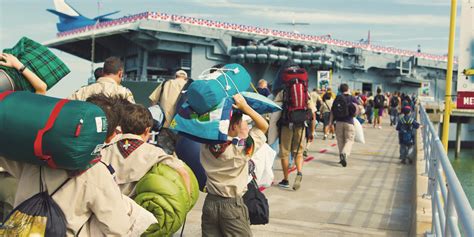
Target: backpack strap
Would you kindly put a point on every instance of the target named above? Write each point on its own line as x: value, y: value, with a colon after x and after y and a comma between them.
x: 162, y: 89
x: 38, y: 144
x: 60, y: 186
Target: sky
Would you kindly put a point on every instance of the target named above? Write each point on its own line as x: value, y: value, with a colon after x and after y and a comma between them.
x: 402, y: 24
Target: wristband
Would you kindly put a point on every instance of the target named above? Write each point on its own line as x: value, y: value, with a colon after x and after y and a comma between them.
x: 22, y: 69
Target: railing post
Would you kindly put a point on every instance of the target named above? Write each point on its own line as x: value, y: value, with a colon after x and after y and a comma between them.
x: 451, y: 217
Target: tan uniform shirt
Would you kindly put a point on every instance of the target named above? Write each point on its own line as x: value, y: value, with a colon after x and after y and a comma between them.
x: 93, y: 193
x: 315, y: 97
x: 104, y: 85
x: 326, y: 106
x: 169, y: 98
x: 132, y: 164
x: 227, y: 175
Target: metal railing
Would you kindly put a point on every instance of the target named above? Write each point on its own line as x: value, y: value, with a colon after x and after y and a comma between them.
x: 452, y: 215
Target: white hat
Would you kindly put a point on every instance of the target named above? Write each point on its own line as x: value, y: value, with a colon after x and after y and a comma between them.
x: 181, y: 73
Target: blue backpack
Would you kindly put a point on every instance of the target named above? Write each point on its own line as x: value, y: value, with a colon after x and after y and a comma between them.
x: 406, y: 134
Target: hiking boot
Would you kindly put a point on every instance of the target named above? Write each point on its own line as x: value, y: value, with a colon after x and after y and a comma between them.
x: 284, y: 183
x: 343, y: 161
x: 297, y: 183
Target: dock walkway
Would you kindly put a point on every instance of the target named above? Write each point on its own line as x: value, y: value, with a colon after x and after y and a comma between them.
x: 372, y: 196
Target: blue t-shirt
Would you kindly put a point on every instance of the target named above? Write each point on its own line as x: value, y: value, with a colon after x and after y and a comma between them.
x: 406, y: 128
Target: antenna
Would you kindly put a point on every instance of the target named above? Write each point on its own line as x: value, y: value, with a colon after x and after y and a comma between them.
x: 93, y: 40
x: 294, y: 24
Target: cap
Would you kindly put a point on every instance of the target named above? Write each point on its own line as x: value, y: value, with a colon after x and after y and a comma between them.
x: 181, y: 73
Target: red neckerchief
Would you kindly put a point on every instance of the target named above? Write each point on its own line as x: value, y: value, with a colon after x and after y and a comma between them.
x: 127, y: 146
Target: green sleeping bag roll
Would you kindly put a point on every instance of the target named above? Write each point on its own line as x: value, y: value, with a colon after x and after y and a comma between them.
x: 69, y: 143
x: 40, y: 60
x: 163, y: 193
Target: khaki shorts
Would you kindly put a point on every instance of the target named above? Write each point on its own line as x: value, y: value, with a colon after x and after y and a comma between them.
x: 295, y: 134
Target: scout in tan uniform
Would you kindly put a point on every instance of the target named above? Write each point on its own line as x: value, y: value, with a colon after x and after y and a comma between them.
x: 292, y: 139
x: 131, y: 155
x: 166, y: 95
x: 224, y: 212
x: 108, y: 85
x: 91, y: 201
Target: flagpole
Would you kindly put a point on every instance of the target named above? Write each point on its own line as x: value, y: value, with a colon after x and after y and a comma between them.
x: 449, y: 76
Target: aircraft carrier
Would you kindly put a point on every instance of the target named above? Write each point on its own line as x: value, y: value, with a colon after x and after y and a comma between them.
x: 154, y: 45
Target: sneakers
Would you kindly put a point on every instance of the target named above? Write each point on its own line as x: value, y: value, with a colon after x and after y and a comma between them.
x: 284, y: 183
x: 333, y: 136
x: 343, y: 161
x: 403, y: 161
x: 325, y: 137
x: 305, y: 154
x: 297, y: 183
x: 410, y: 161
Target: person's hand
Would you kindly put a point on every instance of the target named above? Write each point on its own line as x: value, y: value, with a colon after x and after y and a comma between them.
x: 240, y: 103
x: 9, y: 60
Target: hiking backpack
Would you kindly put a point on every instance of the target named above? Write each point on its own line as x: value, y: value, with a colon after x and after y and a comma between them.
x: 394, y: 101
x: 342, y: 107
x: 295, y: 95
x: 378, y: 101
x: 406, y: 134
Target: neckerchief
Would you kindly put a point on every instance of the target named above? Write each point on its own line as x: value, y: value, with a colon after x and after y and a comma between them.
x: 127, y: 146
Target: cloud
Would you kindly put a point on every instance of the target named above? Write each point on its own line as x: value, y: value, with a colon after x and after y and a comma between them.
x: 350, y: 18
x: 443, y: 3
x: 316, y: 16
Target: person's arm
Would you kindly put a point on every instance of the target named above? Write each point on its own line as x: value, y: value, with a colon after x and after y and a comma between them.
x: 13, y: 62
x: 107, y: 203
x: 155, y: 95
x: 178, y: 166
x: 242, y: 105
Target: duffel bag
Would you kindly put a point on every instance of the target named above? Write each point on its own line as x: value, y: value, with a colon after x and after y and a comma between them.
x: 210, y: 128
x: 48, y: 131
x: 209, y: 90
x: 40, y: 60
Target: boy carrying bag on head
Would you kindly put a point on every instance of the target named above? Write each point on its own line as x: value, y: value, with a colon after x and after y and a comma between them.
x: 224, y: 212
x: 406, y: 127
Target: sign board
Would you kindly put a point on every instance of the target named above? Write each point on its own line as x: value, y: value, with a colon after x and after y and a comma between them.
x: 425, y: 89
x: 324, y: 79
x: 466, y: 55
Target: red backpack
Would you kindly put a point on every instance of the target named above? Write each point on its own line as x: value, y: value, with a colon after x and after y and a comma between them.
x: 295, y: 95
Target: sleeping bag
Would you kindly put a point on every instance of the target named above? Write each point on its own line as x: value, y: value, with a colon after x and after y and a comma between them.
x: 163, y: 193
x: 209, y: 90
x: 43, y: 130
x: 210, y: 128
x: 40, y: 60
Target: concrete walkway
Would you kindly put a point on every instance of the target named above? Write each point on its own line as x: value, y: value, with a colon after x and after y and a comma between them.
x: 370, y: 197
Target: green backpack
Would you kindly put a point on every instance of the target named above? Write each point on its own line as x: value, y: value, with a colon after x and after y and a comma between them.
x: 43, y: 130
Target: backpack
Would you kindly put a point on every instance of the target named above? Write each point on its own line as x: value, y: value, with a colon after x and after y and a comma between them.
x: 39, y: 215
x: 378, y: 101
x: 405, y: 134
x: 256, y: 202
x: 342, y: 107
x: 394, y: 101
x: 295, y: 95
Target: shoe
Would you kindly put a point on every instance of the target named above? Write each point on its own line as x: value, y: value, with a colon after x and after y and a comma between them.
x: 297, y: 183
x: 284, y: 183
x: 404, y: 161
x: 343, y: 161
x: 305, y: 154
x: 410, y: 161
x: 380, y: 127
x: 333, y: 136
x: 325, y: 137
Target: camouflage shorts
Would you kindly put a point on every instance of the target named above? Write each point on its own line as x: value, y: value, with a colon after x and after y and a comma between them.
x: 167, y: 140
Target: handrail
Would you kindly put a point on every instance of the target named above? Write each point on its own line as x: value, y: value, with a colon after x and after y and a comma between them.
x: 449, y: 202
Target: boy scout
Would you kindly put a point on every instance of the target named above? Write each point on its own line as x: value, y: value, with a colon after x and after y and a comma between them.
x: 91, y: 195
x: 108, y: 84
x: 224, y: 212
x: 166, y: 95
x: 130, y: 154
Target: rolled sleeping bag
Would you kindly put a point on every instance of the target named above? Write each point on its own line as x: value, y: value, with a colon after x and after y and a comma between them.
x: 209, y: 90
x: 51, y: 132
x: 40, y: 60
x: 188, y: 151
x: 163, y: 193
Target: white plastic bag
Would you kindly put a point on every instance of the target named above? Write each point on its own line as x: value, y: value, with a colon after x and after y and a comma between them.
x: 273, y: 126
x: 263, y: 160
x: 359, y: 132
